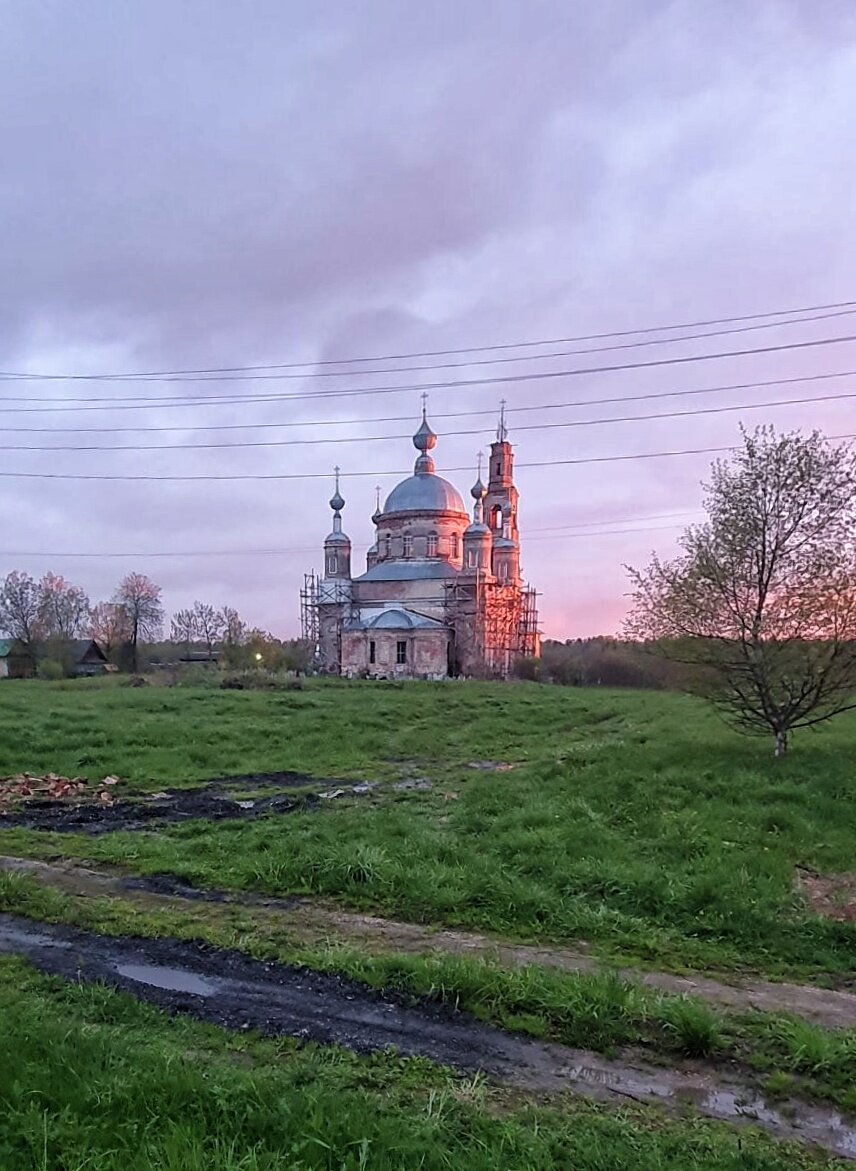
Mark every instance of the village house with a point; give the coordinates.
(16, 660)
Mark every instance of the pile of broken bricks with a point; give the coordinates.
(25, 787)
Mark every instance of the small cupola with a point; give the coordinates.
(478, 539)
(337, 546)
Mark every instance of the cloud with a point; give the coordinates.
(195, 185)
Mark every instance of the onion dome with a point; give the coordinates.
(424, 491)
(337, 503)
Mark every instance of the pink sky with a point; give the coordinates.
(206, 185)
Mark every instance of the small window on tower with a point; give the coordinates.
(432, 544)
(332, 563)
(497, 518)
(456, 547)
(473, 559)
(401, 653)
(372, 651)
(387, 545)
(408, 545)
(499, 467)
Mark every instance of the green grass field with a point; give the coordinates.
(633, 824)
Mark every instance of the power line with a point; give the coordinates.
(276, 476)
(277, 443)
(628, 398)
(16, 376)
(449, 385)
(304, 549)
(448, 352)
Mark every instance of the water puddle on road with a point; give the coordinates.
(13, 937)
(713, 1099)
(170, 979)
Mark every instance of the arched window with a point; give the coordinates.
(456, 546)
(332, 563)
(496, 518)
(432, 545)
(473, 559)
(502, 569)
(387, 545)
(408, 545)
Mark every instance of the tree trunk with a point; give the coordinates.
(781, 743)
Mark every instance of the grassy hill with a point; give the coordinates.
(633, 821)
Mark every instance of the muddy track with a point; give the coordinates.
(231, 990)
(214, 801)
(315, 923)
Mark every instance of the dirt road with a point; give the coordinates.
(229, 989)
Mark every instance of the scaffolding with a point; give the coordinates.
(309, 625)
(326, 610)
(493, 625)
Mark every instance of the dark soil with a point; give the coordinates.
(285, 780)
(211, 802)
(230, 989)
(275, 999)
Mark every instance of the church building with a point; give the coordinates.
(442, 593)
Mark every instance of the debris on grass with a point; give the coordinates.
(349, 791)
(418, 784)
(24, 787)
(491, 766)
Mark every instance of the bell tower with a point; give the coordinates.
(500, 506)
(334, 589)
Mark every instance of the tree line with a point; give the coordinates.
(44, 616)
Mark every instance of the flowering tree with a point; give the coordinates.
(140, 601)
(763, 598)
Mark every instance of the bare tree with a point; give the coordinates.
(234, 629)
(209, 625)
(183, 628)
(64, 609)
(108, 625)
(763, 598)
(140, 600)
(20, 608)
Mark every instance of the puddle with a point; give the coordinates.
(170, 979)
(715, 1098)
(15, 937)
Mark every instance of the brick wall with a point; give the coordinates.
(426, 653)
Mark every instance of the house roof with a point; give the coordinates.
(82, 646)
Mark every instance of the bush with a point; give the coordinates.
(51, 669)
(261, 681)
